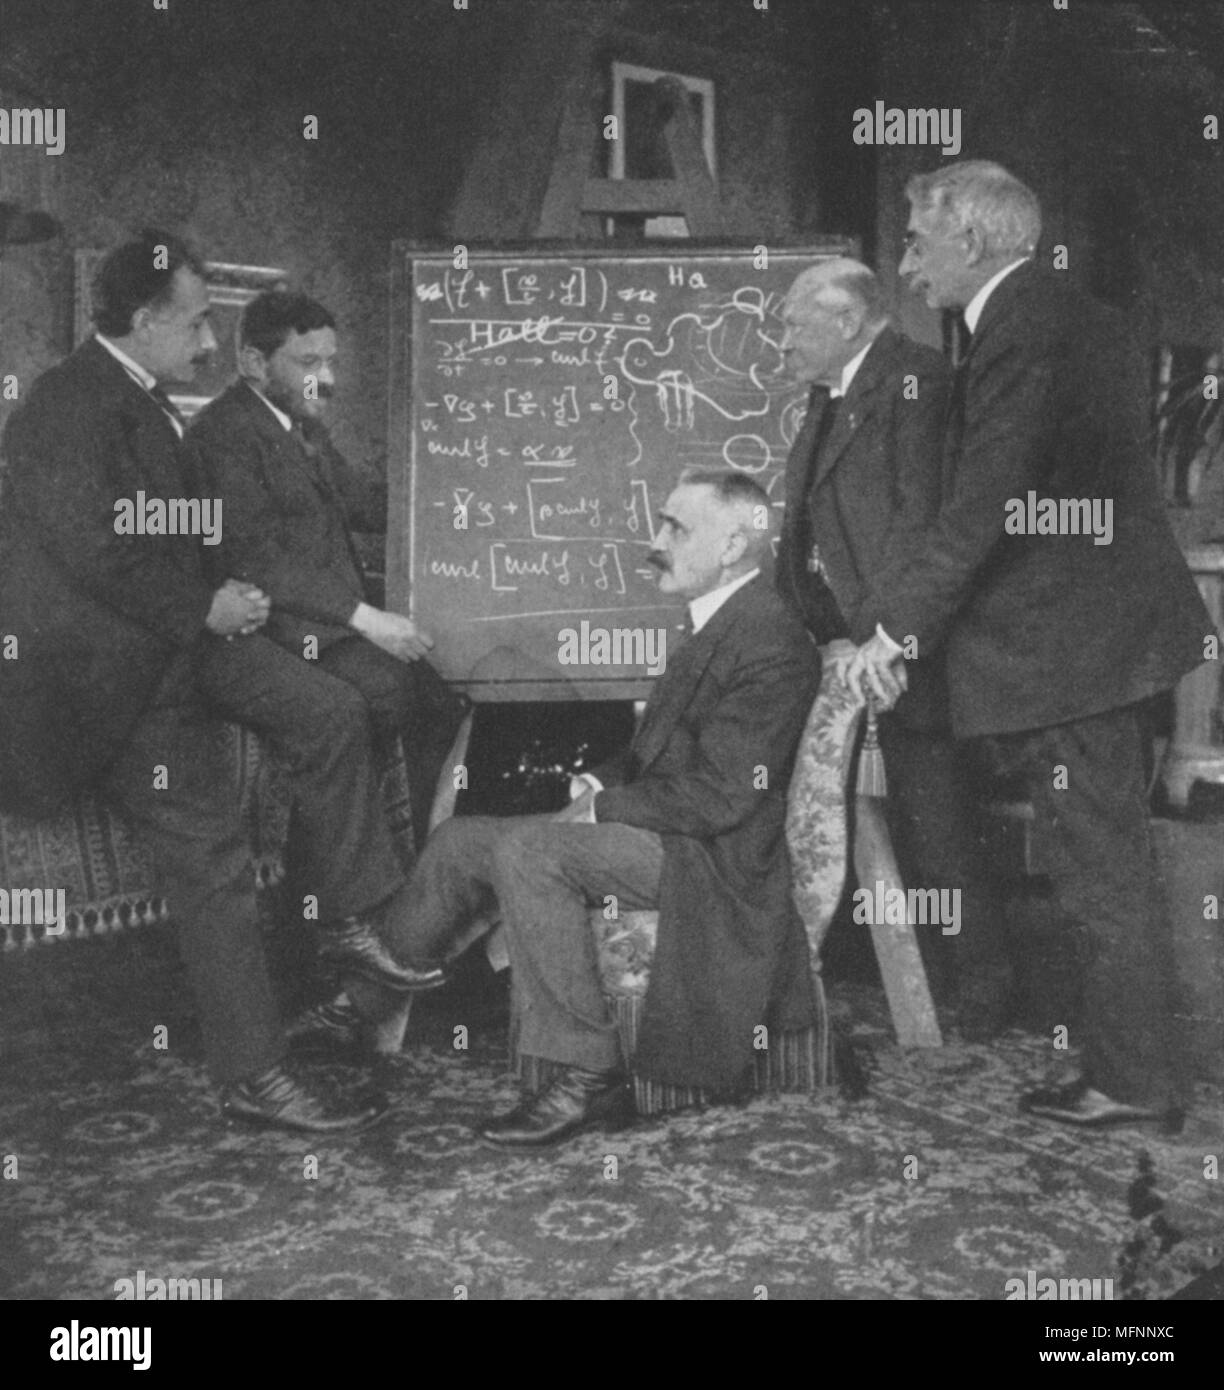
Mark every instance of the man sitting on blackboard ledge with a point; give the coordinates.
(112, 628)
(334, 674)
(689, 819)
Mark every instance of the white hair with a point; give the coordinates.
(850, 282)
(979, 193)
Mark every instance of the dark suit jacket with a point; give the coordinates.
(1042, 629)
(100, 618)
(731, 952)
(875, 484)
(287, 513)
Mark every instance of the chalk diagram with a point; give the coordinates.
(722, 357)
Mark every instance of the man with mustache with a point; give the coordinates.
(111, 630)
(1051, 642)
(689, 819)
(333, 673)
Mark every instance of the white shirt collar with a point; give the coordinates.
(973, 310)
(849, 370)
(285, 422)
(134, 369)
(702, 609)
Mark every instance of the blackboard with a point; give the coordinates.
(542, 407)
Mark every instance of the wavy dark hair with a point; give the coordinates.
(269, 318)
(131, 277)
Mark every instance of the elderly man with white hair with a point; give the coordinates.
(1052, 636)
(864, 476)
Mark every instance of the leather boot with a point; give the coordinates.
(277, 1100)
(353, 947)
(575, 1100)
(332, 1025)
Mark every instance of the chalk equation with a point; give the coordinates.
(556, 400)
(506, 567)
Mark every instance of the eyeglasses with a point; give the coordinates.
(913, 241)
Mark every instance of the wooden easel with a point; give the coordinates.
(574, 202)
(573, 207)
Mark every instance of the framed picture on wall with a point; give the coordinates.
(230, 289)
(641, 153)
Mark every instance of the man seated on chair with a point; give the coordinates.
(688, 820)
(332, 669)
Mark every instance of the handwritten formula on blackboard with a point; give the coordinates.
(546, 407)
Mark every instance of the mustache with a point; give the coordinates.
(659, 561)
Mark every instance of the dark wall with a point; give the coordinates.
(192, 119)
(437, 123)
(35, 285)
(1102, 120)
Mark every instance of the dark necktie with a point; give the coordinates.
(954, 418)
(831, 411)
(957, 337)
(824, 429)
(310, 450)
(178, 419)
(823, 613)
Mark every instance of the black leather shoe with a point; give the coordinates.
(576, 1100)
(1078, 1104)
(353, 947)
(277, 1100)
(334, 1025)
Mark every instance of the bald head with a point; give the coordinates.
(831, 313)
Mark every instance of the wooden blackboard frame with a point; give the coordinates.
(515, 687)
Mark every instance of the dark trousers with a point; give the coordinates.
(1092, 837)
(540, 875)
(319, 723)
(933, 810)
(202, 856)
(408, 698)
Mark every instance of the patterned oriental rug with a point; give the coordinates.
(934, 1187)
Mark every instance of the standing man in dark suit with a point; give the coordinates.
(110, 606)
(333, 675)
(864, 477)
(689, 819)
(1053, 584)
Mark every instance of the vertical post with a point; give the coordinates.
(1197, 750)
